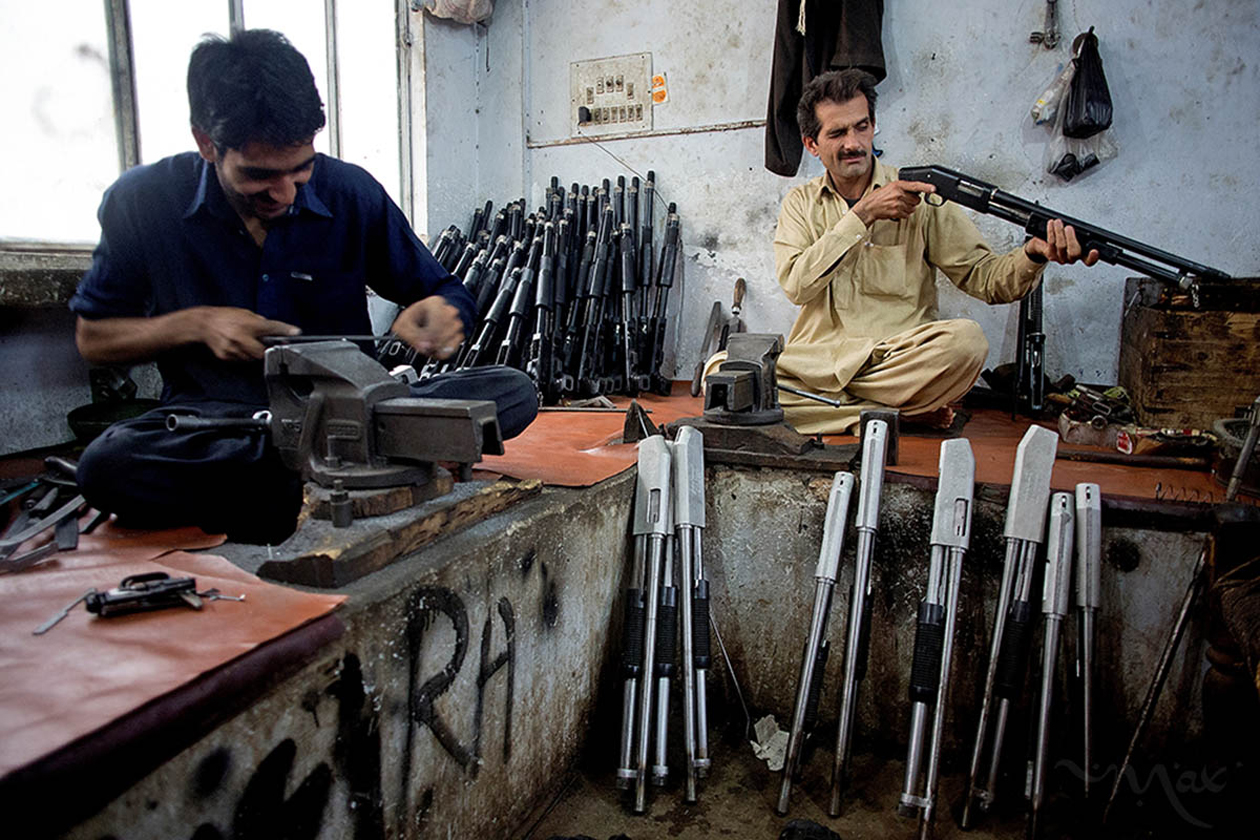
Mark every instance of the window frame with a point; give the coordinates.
(44, 272)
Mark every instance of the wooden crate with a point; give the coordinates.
(1185, 368)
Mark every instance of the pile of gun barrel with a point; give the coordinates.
(1034, 516)
(668, 523)
(568, 293)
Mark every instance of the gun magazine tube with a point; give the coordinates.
(859, 616)
(703, 655)
(656, 559)
(631, 661)
(976, 795)
(810, 677)
(666, 663)
(1012, 670)
(924, 676)
(1050, 654)
(932, 781)
(1086, 648)
(686, 574)
(626, 770)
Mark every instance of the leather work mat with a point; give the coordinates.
(581, 448)
(578, 449)
(88, 674)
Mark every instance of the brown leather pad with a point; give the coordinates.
(88, 671)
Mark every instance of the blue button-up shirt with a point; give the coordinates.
(170, 241)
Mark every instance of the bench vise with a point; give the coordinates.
(341, 421)
(743, 390)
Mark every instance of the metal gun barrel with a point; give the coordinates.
(1088, 600)
(689, 519)
(653, 491)
(951, 537)
(1056, 593)
(874, 449)
(1024, 531)
(813, 659)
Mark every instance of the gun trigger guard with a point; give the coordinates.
(130, 581)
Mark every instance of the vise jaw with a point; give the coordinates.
(743, 390)
(336, 415)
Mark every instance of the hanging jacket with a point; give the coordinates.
(838, 34)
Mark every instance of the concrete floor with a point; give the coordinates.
(737, 800)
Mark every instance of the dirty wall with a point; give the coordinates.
(961, 79)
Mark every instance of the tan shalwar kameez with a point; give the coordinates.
(867, 332)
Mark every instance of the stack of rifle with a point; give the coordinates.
(572, 294)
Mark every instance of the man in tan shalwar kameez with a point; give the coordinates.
(857, 249)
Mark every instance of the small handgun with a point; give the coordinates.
(141, 593)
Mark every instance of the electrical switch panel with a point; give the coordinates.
(611, 95)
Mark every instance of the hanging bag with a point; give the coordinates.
(1088, 109)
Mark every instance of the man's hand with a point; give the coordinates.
(1060, 246)
(895, 200)
(432, 326)
(233, 334)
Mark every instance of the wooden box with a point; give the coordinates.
(1187, 367)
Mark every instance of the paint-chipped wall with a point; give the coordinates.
(961, 79)
(763, 585)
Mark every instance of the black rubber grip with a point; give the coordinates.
(815, 685)
(667, 632)
(632, 635)
(864, 640)
(1013, 655)
(700, 627)
(925, 669)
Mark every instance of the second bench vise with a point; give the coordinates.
(338, 416)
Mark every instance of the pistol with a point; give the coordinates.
(141, 593)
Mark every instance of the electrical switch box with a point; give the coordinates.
(611, 95)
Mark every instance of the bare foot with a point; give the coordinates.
(940, 418)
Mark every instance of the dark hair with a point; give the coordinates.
(837, 86)
(253, 88)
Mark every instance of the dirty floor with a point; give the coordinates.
(737, 801)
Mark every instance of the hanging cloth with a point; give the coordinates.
(810, 38)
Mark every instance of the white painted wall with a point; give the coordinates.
(961, 77)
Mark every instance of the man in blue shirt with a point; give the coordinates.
(203, 254)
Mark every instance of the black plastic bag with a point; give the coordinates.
(1088, 99)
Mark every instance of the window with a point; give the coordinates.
(58, 143)
(64, 119)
